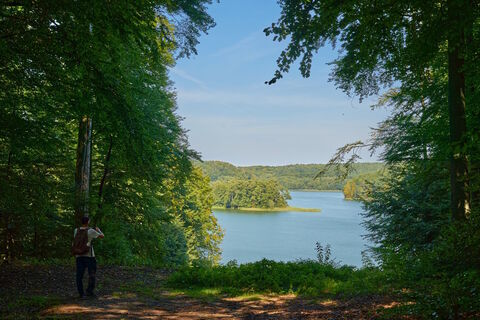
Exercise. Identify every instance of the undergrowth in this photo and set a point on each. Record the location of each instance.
(305, 277)
(24, 307)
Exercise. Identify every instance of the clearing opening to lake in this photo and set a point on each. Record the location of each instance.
(287, 236)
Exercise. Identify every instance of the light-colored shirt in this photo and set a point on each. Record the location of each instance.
(92, 234)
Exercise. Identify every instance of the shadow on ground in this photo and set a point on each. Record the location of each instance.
(132, 293)
(278, 307)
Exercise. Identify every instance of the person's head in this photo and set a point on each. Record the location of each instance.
(85, 221)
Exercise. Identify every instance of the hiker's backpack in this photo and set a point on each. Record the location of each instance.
(79, 245)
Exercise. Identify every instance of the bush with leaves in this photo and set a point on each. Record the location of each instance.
(302, 277)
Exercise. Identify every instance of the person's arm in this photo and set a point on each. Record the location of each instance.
(100, 233)
(95, 233)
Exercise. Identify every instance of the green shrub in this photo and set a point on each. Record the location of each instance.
(304, 277)
(442, 280)
(445, 281)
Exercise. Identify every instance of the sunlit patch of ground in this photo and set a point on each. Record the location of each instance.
(128, 293)
(184, 307)
(328, 303)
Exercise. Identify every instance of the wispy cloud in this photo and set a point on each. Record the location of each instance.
(257, 99)
(236, 46)
(185, 75)
(247, 49)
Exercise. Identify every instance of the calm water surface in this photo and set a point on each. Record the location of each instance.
(287, 236)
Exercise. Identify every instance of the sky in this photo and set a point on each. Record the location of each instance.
(232, 115)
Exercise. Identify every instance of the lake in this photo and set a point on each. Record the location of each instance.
(288, 236)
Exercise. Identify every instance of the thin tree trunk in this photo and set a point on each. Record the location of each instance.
(8, 247)
(456, 105)
(6, 237)
(105, 173)
(82, 169)
(36, 252)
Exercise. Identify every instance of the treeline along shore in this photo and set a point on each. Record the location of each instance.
(299, 177)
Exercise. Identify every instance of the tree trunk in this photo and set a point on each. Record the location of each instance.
(105, 173)
(474, 124)
(8, 247)
(82, 169)
(456, 106)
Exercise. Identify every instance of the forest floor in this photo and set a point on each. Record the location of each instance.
(48, 292)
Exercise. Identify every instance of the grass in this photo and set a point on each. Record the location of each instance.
(141, 289)
(284, 209)
(212, 294)
(24, 307)
(264, 280)
(203, 294)
(254, 281)
(265, 277)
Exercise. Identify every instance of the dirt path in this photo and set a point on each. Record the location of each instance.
(280, 307)
(124, 293)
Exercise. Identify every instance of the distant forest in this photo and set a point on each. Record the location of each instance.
(292, 177)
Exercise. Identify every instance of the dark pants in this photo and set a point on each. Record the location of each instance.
(82, 264)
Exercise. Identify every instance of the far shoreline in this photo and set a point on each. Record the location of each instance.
(283, 209)
(314, 190)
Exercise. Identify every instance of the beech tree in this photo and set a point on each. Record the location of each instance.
(422, 58)
(89, 127)
(382, 42)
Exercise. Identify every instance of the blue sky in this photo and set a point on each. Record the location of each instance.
(233, 116)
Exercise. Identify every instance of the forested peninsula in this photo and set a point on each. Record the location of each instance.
(252, 195)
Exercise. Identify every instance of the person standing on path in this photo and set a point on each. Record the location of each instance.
(87, 259)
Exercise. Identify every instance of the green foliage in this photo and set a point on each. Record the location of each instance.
(219, 170)
(408, 212)
(234, 193)
(358, 187)
(193, 207)
(292, 177)
(61, 61)
(377, 42)
(422, 215)
(445, 280)
(324, 254)
(461, 291)
(302, 277)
